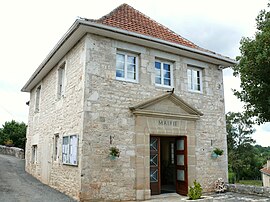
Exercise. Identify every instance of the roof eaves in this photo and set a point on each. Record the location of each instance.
(90, 23)
(194, 50)
(268, 174)
(265, 171)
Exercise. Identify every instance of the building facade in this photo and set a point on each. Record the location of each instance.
(126, 81)
(266, 174)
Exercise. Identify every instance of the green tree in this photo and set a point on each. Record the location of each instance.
(13, 131)
(254, 70)
(240, 149)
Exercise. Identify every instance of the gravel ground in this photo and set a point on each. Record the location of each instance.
(223, 197)
(18, 186)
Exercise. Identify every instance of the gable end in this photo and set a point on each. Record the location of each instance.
(175, 107)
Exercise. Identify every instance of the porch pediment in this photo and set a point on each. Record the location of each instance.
(168, 105)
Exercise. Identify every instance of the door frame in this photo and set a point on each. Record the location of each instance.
(158, 185)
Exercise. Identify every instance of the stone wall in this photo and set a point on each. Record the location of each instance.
(96, 108)
(107, 115)
(248, 189)
(13, 151)
(266, 180)
(57, 115)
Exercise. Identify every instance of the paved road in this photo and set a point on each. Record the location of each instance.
(18, 186)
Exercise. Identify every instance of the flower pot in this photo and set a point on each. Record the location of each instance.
(112, 157)
(214, 155)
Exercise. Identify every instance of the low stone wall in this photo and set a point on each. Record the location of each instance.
(249, 189)
(13, 151)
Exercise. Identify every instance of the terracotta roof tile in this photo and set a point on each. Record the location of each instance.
(127, 18)
(265, 170)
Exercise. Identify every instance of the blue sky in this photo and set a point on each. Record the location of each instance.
(31, 28)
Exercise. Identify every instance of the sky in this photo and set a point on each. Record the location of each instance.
(31, 28)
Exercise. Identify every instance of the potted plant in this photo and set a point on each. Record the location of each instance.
(114, 152)
(216, 153)
(195, 194)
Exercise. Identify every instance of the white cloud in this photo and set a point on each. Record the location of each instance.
(230, 82)
(14, 107)
(262, 135)
(266, 127)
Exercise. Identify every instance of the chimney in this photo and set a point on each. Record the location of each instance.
(268, 164)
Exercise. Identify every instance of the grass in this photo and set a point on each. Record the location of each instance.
(250, 182)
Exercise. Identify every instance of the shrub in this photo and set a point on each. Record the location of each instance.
(114, 151)
(231, 177)
(195, 192)
(8, 142)
(218, 151)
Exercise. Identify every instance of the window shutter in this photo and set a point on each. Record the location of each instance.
(65, 150)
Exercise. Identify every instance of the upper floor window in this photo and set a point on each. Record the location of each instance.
(37, 103)
(126, 66)
(61, 81)
(194, 79)
(163, 73)
(69, 150)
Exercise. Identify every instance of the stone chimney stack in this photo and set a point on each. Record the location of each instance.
(268, 164)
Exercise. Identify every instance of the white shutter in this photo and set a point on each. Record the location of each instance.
(65, 148)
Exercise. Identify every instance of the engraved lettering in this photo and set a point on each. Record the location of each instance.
(167, 123)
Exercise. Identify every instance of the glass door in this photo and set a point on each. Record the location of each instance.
(155, 165)
(181, 166)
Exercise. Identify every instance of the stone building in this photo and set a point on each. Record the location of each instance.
(126, 81)
(266, 174)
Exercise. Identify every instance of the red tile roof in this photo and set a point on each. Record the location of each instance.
(127, 18)
(265, 170)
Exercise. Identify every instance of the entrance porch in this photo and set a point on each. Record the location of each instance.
(169, 119)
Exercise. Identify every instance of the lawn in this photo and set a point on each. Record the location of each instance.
(250, 182)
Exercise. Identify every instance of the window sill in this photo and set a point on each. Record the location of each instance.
(195, 91)
(126, 80)
(69, 164)
(163, 86)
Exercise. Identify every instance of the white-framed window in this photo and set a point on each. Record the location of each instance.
(163, 73)
(69, 150)
(56, 149)
(37, 103)
(34, 154)
(126, 67)
(194, 79)
(61, 80)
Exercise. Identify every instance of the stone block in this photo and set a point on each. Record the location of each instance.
(140, 195)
